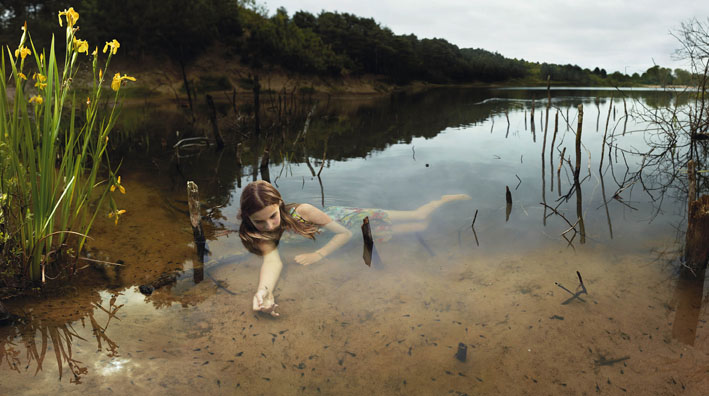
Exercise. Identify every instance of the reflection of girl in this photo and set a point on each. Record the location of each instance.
(264, 217)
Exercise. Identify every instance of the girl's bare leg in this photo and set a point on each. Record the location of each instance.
(423, 212)
(404, 228)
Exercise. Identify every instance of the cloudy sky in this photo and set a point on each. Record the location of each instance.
(620, 35)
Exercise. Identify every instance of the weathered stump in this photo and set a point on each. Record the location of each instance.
(197, 231)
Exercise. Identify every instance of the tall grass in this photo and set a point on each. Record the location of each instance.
(54, 167)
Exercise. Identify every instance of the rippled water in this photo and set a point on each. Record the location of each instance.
(508, 290)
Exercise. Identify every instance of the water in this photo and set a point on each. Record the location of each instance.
(394, 328)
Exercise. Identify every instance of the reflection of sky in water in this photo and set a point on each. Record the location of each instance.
(111, 367)
(470, 159)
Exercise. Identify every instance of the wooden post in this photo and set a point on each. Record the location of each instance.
(187, 84)
(257, 94)
(697, 248)
(531, 123)
(238, 165)
(265, 175)
(197, 231)
(625, 121)
(558, 170)
(546, 117)
(508, 199)
(605, 134)
(551, 152)
(213, 119)
(579, 127)
(369, 251)
(577, 171)
(692, 191)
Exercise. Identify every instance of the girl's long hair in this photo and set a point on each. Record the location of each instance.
(256, 196)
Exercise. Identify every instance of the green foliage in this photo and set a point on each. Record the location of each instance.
(50, 163)
(330, 43)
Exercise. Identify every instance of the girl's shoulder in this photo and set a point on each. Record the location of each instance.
(310, 214)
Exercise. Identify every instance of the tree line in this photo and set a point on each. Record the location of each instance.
(330, 43)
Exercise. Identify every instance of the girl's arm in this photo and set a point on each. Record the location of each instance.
(317, 216)
(270, 271)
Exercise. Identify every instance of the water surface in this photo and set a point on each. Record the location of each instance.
(394, 328)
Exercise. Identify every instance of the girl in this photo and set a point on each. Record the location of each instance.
(264, 217)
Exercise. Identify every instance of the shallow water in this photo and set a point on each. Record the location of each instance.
(346, 328)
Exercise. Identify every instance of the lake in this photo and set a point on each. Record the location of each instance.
(503, 282)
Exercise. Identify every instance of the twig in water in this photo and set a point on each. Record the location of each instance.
(581, 282)
(100, 261)
(520, 181)
(573, 295)
(609, 362)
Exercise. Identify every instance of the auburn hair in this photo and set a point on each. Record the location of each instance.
(256, 196)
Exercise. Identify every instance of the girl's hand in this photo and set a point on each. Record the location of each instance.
(264, 302)
(308, 258)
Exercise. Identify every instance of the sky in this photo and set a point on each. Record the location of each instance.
(625, 36)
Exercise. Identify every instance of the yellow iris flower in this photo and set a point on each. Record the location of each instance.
(37, 99)
(22, 52)
(116, 213)
(40, 80)
(113, 44)
(71, 17)
(116, 83)
(120, 187)
(81, 46)
(22, 76)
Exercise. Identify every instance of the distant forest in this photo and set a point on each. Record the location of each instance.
(330, 43)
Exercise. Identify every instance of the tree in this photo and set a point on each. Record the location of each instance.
(679, 144)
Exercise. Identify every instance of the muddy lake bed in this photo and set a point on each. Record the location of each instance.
(507, 289)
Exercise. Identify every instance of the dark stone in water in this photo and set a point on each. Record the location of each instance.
(462, 352)
(146, 289)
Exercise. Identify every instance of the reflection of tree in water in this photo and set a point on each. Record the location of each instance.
(24, 335)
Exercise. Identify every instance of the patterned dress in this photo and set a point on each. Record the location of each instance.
(351, 218)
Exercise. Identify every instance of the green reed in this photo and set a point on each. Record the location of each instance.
(52, 164)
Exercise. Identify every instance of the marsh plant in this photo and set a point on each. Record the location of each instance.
(54, 168)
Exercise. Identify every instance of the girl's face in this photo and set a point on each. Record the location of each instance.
(267, 219)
